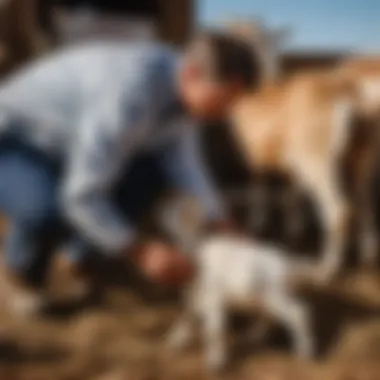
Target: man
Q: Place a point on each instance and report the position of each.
(71, 126)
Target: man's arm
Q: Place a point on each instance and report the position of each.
(94, 163)
(183, 164)
(99, 154)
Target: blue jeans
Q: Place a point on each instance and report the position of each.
(29, 183)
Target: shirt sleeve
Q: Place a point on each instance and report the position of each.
(183, 165)
(99, 154)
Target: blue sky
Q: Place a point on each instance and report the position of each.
(321, 24)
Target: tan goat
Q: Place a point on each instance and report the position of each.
(303, 128)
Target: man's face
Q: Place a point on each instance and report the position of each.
(203, 94)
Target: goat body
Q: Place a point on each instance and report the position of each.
(303, 128)
(235, 270)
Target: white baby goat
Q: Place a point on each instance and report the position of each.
(236, 270)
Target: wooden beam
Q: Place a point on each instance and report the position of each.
(176, 20)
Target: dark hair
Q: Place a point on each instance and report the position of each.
(234, 58)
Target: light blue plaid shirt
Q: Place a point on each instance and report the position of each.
(96, 106)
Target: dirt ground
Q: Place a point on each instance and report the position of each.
(123, 338)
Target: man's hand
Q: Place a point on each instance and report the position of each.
(162, 263)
